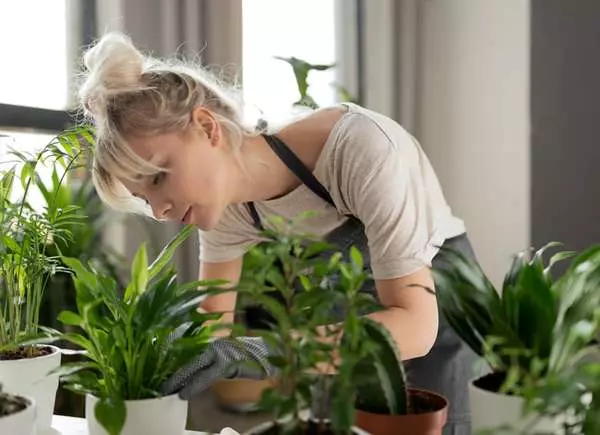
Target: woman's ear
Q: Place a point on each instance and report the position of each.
(205, 122)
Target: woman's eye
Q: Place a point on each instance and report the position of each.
(158, 178)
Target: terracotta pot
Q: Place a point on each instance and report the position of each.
(426, 423)
(240, 395)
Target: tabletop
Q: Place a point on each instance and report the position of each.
(62, 425)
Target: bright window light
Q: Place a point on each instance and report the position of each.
(28, 143)
(34, 53)
(286, 28)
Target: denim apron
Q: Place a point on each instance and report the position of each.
(449, 366)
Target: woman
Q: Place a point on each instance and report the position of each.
(170, 137)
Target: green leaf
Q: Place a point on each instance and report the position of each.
(111, 414)
(357, 259)
(70, 318)
(139, 274)
(168, 251)
(67, 369)
(388, 391)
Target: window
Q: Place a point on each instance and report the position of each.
(300, 28)
(30, 142)
(34, 53)
(41, 42)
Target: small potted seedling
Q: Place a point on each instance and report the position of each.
(17, 414)
(537, 326)
(134, 343)
(25, 266)
(385, 404)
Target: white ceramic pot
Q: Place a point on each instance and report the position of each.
(21, 423)
(491, 410)
(29, 378)
(160, 416)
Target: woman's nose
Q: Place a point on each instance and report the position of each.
(161, 208)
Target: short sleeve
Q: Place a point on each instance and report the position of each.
(379, 181)
(229, 240)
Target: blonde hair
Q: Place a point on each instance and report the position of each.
(126, 93)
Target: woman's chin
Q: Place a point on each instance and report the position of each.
(206, 223)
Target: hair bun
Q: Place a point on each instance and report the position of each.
(113, 65)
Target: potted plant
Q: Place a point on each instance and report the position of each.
(316, 355)
(25, 266)
(574, 392)
(17, 414)
(134, 343)
(537, 326)
(385, 405)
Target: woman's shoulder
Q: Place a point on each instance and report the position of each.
(365, 137)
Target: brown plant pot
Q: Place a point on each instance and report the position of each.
(429, 419)
(240, 395)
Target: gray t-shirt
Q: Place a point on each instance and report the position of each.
(373, 169)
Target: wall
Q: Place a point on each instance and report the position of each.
(473, 118)
(566, 122)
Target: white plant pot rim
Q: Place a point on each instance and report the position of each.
(141, 401)
(55, 350)
(497, 393)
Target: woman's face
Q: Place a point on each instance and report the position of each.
(194, 189)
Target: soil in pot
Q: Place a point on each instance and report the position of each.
(491, 382)
(10, 405)
(23, 352)
(428, 415)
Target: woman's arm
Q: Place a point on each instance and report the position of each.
(381, 177)
(410, 314)
(224, 302)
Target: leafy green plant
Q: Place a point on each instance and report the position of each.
(85, 242)
(317, 356)
(26, 233)
(537, 325)
(387, 392)
(574, 392)
(130, 342)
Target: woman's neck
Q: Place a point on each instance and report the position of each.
(259, 174)
(263, 175)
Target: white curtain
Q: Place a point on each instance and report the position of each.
(378, 55)
(453, 76)
(209, 30)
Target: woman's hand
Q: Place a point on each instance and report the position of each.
(225, 358)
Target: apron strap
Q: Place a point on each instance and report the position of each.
(295, 165)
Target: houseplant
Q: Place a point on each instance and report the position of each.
(25, 266)
(316, 358)
(536, 327)
(385, 405)
(86, 243)
(134, 343)
(17, 414)
(574, 392)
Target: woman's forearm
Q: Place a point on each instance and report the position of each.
(413, 332)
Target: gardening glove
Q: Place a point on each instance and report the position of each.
(225, 358)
